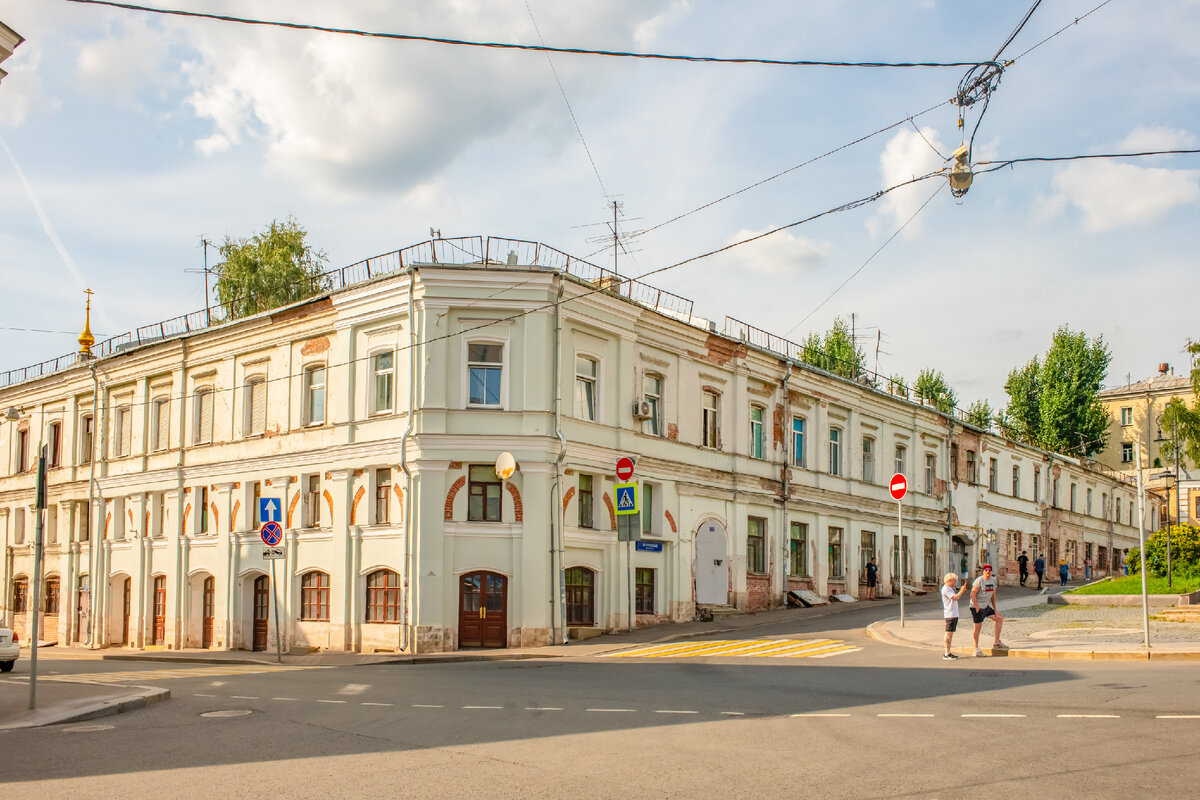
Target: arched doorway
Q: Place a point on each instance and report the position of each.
(483, 610)
(160, 609)
(208, 605)
(262, 606)
(712, 564)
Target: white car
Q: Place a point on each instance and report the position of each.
(9, 650)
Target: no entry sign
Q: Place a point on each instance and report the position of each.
(625, 468)
(898, 486)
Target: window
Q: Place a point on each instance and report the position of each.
(902, 459)
(930, 472)
(652, 396)
(161, 435)
(20, 601)
(1016, 481)
(22, 450)
(1072, 497)
(1118, 515)
(383, 375)
(1104, 505)
(835, 451)
(203, 409)
(1197, 514)
(254, 504)
(709, 425)
(254, 400)
(485, 364)
(756, 431)
(798, 549)
(866, 552)
(954, 463)
(383, 495)
(19, 525)
(85, 522)
(1037, 484)
(756, 550)
(312, 502)
(581, 607)
(54, 451)
(798, 441)
(585, 387)
(1127, 452)
(868, 459)
(314, 395)
(123, 431)
(647, 510)
(85, 438)
(972, 468)
(52, 592)
(314, 596)
(644, 597)
(1054, 496)
(899, 555)
(160, 514)
(383, 596)
(1088, 507)
(483, 494)
(1126, 416)
(202, 510)
(993, 475)
(586, 505)
(929, 562)
(836, 568)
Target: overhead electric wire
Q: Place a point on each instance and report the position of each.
(1076, 21)
(528, 47)
(1020, 25)
(1000, 164)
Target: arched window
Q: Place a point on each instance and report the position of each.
(20, 596)
(581, 596)
(52, 592)
(314, 596)
(383, 596)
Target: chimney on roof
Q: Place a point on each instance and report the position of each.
(1162, 368)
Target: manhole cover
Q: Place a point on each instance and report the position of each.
(87, 728)
(233, 712)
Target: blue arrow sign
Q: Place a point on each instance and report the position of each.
(270, 509)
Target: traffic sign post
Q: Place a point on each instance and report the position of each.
(270, 510)
(628, 515)
(898, 486)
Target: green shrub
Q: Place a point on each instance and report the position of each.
(1185, 552)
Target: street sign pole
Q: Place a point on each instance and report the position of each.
(39, 511)
(275, 601)
(900, 538)
(1137, 459)
(628, 513)
(629, 577)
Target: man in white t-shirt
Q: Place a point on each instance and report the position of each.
(983, 605)
(950, 610)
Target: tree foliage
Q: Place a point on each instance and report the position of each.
(1180, 424)
(268, 270)
(1052, 401)
(980, 414)
(836, 352)
(1185, 552)
(931, 384)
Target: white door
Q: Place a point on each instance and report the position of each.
(712, 564)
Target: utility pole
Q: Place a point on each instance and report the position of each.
(39, 510)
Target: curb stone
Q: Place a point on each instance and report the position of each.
(38, 718)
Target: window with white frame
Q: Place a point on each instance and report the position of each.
(485, 368)
(312, 502)
(835, 451)
(254, 401)
(202, 424)
(798, 441)
(756, 431)
(86, 438)
(383, 377)
(710, 422)
(1126, 416)
(756, 544)
(652, 390)
(1088, 506)
(314, 395)
(649, 520)
(54, 445)
(161, 438)
(586, 501)
(994, 475)
(837, 567)
(972, 468)
(383, 495)
(1126, 452)
(586, 372)
(930, 472)
(901, 459)
(868, 459)
(1037, 484)
(123, 431)
(1072, 497)
(1016, 485)
(202, 510)
(798, 549)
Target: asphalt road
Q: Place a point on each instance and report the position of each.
(879, 721)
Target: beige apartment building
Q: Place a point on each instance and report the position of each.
(374, 414)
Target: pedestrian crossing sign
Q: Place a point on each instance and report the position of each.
(627, 498)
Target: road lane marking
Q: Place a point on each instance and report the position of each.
(203, 695)
(904, 715)
(421, 705)
(244, 696)
(820, 715)
(1178, 716)
(332, 701)
(613, 710)
(173, 673)
(833, 651)
(543, 708)
(377, 704)
(1089, 716)
(993, 716)
(668, 711)
(290, 699)
(733, 713)
(484, 708)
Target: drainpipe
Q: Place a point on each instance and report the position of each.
(93, 567)
(99, 582)
(558, 578)
(785, 532)
(407, 640)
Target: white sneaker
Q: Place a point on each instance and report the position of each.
(999, 646)
(979, 654)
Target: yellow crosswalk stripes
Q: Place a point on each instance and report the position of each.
(148, 675)
(744, 648)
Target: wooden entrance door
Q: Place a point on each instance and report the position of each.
(125, 613)
(208, 604)
(262, 599)
(483, 610)
(160, 610)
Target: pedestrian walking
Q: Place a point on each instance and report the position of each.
(983, 605)
(1062, 571)
(1023, 563)
(872, 579)
(1039, 566)
(950, 610)
(1087, 568)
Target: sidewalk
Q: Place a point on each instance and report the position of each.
(59, 702)
(1034, 628)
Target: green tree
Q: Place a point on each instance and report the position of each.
(836, 352)
(1181, 423)
(1185, 552)
(897, 385)
(931, 385)
(1053, 403)
(980, 414)
(269, 270)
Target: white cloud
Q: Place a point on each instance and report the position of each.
(23, 90)
(778, 254)
(1157, 138)
(907, 155)
(123, 63)
(1113, 195)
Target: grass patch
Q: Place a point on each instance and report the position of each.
(1132, 584)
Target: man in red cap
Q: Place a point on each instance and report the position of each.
(983, 605)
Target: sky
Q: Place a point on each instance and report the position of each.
(128, 137)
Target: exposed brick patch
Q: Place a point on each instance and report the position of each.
(313, 346)
(672, 431)
(237, 506)
(778, 436)
(455, 465)
(458, 484)
(722, 350)
(187, 512)
(671, 521)
(758, 592)
(292, 508)
(612, 514)
(567, 498)
(329, 502)
(358, 496)
(518, 509)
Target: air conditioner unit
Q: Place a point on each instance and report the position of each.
(641, 409)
